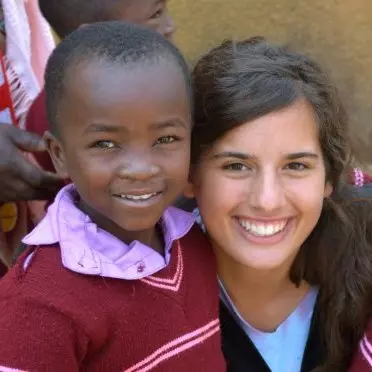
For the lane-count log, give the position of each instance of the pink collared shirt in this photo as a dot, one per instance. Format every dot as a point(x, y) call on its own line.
point(89, 250)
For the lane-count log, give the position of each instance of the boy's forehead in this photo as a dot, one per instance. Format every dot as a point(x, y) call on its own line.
point(100, 88)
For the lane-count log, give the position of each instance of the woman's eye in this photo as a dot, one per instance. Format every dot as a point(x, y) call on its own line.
point(297, 166)
point(235, 167)
point(104, 145)
point(166, 140)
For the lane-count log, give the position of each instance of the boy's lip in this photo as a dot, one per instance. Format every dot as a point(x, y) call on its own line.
point(138, 192)
point(139, 201)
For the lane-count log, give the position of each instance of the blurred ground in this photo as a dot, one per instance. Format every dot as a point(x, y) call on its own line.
point(336, 32)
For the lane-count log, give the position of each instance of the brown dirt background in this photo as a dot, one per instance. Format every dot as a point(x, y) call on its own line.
point(338, 33)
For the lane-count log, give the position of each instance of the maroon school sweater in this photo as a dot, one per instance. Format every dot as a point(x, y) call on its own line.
point(53, 319)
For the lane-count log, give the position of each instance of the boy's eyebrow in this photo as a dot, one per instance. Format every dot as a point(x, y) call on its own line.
point(246, 156)
point(111, 128)
point(100, 127)
point(171, 123)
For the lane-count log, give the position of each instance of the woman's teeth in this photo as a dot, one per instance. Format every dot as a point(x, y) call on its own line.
point(262, 229)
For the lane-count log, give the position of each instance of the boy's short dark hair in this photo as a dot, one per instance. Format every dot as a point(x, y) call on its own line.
point(114, 42)
point(65, 16)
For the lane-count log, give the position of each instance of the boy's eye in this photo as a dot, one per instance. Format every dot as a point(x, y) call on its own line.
point(296, 166)
point(104, 145)
point(235, 167)
point(165, 140)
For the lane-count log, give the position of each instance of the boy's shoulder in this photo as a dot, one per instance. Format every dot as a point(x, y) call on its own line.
point(196, 238)
point(198, 253)
point(39, 275)
point(39, 283)
point(190, 232)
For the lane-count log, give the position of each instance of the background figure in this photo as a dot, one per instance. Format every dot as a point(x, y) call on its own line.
point(26, 42)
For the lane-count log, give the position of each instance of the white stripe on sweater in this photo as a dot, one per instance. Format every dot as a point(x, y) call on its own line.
point(6, 369)
point(176, 347)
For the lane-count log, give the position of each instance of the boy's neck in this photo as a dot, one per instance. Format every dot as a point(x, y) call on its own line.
point(152, 238)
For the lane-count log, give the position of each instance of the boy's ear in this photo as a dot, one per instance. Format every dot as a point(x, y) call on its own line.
point(56, 153)
point(189, 190)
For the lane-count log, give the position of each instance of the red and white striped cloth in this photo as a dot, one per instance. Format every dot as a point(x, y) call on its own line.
point(7, 112)
point(359, 178)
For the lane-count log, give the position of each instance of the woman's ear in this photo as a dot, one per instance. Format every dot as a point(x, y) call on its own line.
point(328, 189)
point(56, 153)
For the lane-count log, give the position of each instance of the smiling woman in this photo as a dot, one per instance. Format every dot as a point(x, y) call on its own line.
point(272, 196)
point(270, 152)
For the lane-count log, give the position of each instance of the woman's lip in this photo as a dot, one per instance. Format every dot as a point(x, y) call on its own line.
point(264, 219)
point(265, 240)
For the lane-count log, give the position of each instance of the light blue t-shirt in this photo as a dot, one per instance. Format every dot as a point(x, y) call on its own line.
point(284, 348)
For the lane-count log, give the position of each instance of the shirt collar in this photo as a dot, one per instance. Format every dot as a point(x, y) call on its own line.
point(87, 249)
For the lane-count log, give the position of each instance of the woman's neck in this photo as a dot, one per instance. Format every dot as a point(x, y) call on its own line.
point(264, 298)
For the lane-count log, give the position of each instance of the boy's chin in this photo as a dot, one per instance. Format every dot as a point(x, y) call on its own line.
point(139, 223)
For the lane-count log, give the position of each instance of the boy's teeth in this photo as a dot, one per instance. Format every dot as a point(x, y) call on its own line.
point(261, 229)
point(137, 197)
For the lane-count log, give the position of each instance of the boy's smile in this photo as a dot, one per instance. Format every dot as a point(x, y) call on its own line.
point(125, 143)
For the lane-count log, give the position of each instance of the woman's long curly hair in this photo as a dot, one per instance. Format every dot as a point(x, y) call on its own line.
point(240, 81)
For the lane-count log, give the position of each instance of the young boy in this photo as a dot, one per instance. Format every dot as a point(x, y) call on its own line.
point(115, 279)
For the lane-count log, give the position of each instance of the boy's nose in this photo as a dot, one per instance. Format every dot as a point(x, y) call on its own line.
point(138, 168)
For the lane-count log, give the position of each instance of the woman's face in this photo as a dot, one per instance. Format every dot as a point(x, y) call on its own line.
point(260, 188)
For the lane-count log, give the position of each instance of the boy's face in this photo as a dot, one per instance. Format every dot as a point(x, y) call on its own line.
point(153, 13)
point(125, 142)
